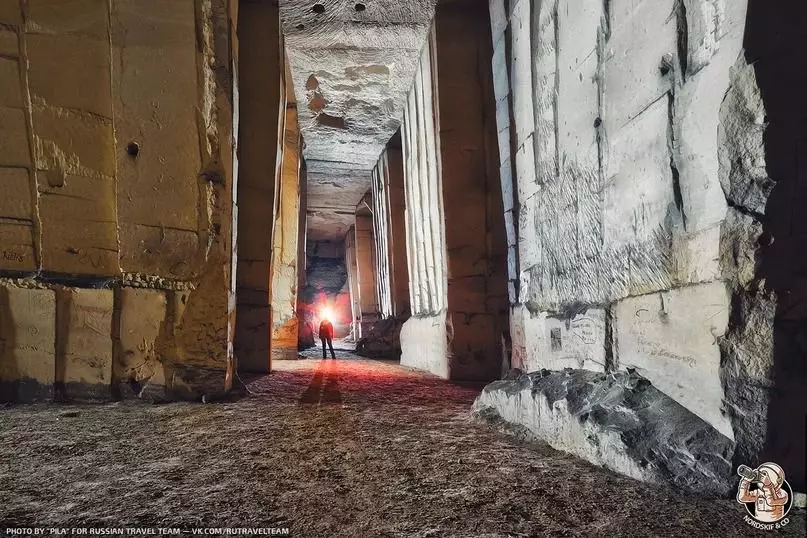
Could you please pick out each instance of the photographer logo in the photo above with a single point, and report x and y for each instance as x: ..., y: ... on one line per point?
x: 766, y: 495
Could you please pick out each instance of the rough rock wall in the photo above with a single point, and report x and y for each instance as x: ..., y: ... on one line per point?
x: 284, y: 245
x: 262, y: 99
x: 763, y: 171
x: 454, y: 204
x: 424, y: 209
x: 614, y: 138
x: 117, y: 148
x: 635, y: 133
x: 619, y: 421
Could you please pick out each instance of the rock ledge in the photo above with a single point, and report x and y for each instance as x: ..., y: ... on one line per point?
x: 619, y: 421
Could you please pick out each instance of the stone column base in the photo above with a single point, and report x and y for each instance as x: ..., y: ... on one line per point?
x: 424, y: 344
x: 285, y: 354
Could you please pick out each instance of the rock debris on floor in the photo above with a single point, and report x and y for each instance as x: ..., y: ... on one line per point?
x: 348, y: 447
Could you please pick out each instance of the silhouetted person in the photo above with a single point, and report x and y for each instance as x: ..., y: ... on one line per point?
x: 326, y: 335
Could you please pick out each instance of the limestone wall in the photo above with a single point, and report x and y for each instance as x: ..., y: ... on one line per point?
x: 765, y: 240
x: 630, y: 128
x: 117, y: 156
x: 472, y: 201
x: 380, y: 331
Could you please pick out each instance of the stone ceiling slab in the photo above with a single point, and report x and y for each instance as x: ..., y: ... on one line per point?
x: 332, y: 198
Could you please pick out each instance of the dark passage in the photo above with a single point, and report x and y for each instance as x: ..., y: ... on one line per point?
x: 776, y: 40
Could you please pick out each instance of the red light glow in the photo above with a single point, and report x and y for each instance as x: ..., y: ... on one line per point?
x: 326, y: 312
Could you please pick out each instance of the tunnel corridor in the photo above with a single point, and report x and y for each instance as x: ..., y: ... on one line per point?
x: 559, y: 244
x: 383, y: 214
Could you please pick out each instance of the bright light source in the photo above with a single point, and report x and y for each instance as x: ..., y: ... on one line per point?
x: 326, y: 313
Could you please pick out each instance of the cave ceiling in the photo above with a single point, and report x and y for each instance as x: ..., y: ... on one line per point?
x: 352, y: 64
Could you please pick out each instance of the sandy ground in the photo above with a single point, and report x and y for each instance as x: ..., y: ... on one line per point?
x: 326, y: 448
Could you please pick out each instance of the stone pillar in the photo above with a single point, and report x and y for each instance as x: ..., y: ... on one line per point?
x: 504, y: 106
x: 366, y: 270
x: 304, y: 327
x: 424, y: 337
x: 285, y: 246
x: 260, y: 68
x: 474, y: 220
x: 399, y: 273
x: 380, y: 184
x: 353, y: 283
x: 454, y: 204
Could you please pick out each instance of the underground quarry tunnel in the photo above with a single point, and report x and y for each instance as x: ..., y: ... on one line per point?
x: 558, y: 243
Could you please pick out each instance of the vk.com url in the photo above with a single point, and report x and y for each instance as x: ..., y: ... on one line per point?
x: 242, y: 531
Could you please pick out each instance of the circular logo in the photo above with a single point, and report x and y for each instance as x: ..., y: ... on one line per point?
x: 765, y: 493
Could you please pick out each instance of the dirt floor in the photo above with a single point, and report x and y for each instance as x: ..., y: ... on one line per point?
x: 326, y: 448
